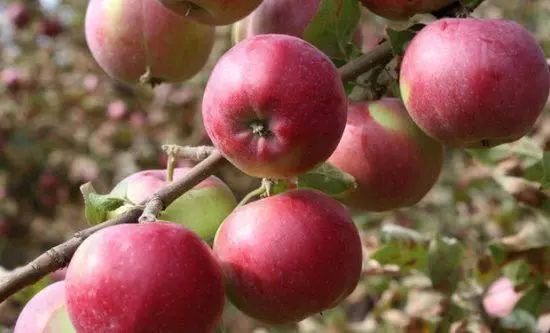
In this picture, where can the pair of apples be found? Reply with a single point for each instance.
(162, 277)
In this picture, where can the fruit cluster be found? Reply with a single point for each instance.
(275, 106)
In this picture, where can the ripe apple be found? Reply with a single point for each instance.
(46, 312)
(403, 9)
(474, 83)
(134, 38)
(394, 163)
(501, 298)
(213, 12)
(289, 256)
(202, 209)
(144, 278)
(275, 106)
(287, 17)
(18, 14)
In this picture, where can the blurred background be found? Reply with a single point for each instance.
(63, 122)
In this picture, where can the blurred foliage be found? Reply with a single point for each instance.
(63, 123)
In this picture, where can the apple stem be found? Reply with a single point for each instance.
(170, 166)
(257, 192)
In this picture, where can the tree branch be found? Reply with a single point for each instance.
(59, 256)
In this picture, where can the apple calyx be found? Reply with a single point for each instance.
(148, 79)
(260, 128)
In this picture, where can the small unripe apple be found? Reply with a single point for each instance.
(501, 298)
(46, 312)
(202, 209)
(144, 278)
(141, 40)
(403, 9)
(213, 12)
(474, 83)
(394, 163)
(275, 106)
(289, 256)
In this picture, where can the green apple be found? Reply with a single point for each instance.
(46, 312)
(202, 209)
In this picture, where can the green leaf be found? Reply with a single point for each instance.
(444, 259)
(518, 272)
(545, 181)
(536, 299)
(403, 247)
(332, 28)
(98, 206)
(329, 179)
(525, 149)
(519, 321)
(399, 39)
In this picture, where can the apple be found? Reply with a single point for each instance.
(394, 163)
(287, 17)
(135, 40)
(275, 106)
(289, 256)
(12, 79)
(403, 9)
(144, 278)
(501, 298)
(51, 27)
(46, 312)
(202, 209)
(213, 12)
(18, 14)
(463, 81)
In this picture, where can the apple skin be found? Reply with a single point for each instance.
(289, 256)
(144, 278)
(463, 81)
(501, 298)
(202, 209)
(127, 36)
(213, 12)
(275, 106)
(394, 163)
(46, 312)
(403, 9)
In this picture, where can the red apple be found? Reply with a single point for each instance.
(202, 209)
(287, 17)
(474, 82)
(289, 256)
(18, 14)
(51, 27)
(144, 278)
(46, 312)
(394, 163)
(501, 298)
(129, 38)
(213, 12)
(275, 106)
(403, 9)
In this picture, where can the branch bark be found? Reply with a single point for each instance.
(60, 255)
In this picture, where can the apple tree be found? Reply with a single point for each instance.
(389, 167)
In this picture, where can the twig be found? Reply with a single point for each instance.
(152, 210)
(191, 153)
(59, 256)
